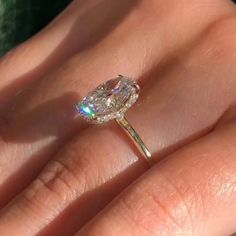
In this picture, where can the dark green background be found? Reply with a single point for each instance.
(19, 19)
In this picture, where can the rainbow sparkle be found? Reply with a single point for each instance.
(87, 111)
(109, 101)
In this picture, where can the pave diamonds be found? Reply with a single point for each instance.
(109, 100)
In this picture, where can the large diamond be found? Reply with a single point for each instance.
(109, 100)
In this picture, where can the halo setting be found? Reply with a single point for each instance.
(109, 100)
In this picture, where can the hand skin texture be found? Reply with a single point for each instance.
(59, 176)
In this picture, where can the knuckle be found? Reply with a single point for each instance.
(61, 181)
(174, 206)
(59, 178)
(178, 208)
(66, 178)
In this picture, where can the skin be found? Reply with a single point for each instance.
(59, 176)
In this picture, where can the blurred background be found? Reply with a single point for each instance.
(20, 19)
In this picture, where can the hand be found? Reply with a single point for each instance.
(57, 173)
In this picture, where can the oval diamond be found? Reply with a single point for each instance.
(109, 100)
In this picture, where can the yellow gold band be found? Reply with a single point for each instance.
(123, 122)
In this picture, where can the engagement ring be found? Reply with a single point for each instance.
(110, 101)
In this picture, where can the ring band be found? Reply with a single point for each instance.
(110, 101)
(134, 137)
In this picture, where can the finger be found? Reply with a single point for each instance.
(43, 118)
(50, 97)
(87, 174)
(193, 192)
(33, 58)
(79, 27)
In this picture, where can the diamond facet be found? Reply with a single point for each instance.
(109, 100)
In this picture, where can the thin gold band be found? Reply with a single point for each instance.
(123, 122)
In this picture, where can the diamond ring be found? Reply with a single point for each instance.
(110, 101)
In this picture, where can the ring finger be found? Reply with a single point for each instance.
(43, 118)
(87, 173)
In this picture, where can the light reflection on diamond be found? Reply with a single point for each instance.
(109, 100)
